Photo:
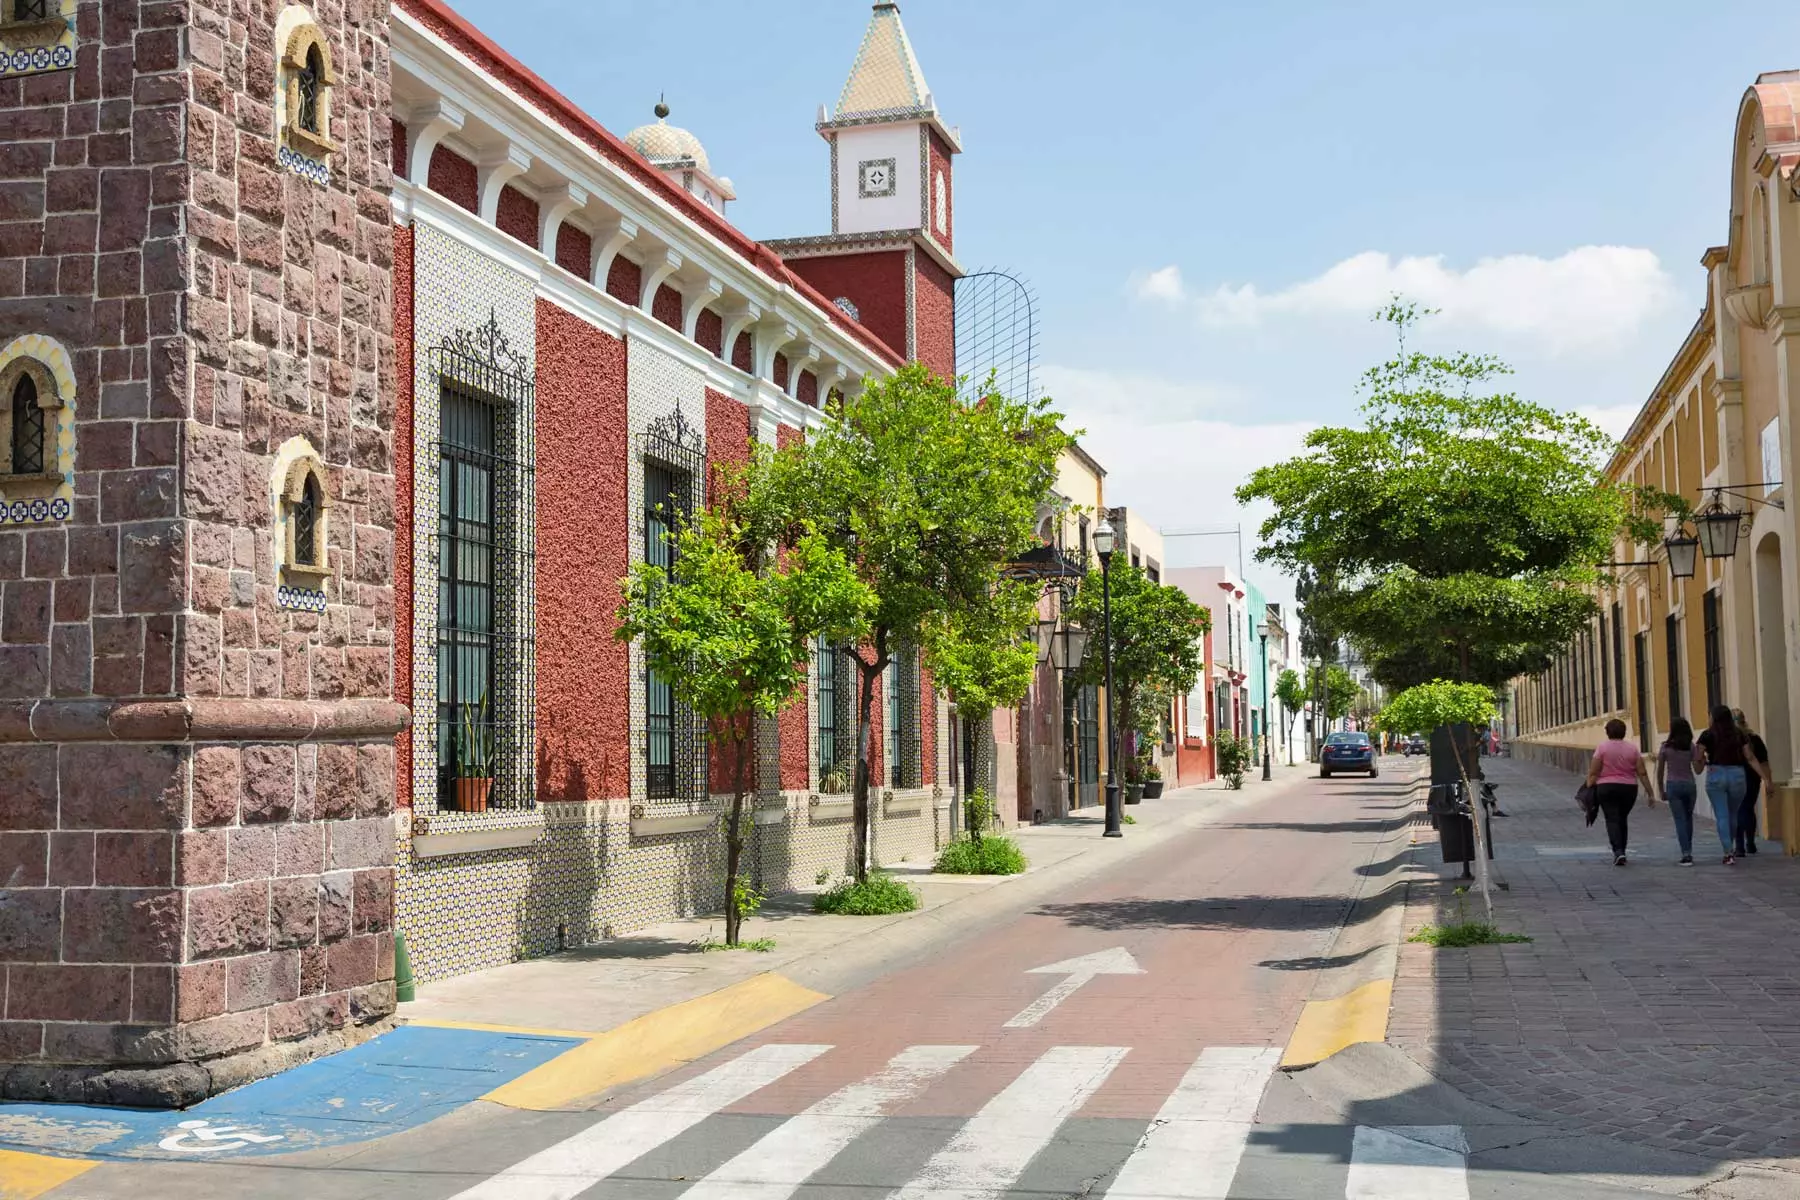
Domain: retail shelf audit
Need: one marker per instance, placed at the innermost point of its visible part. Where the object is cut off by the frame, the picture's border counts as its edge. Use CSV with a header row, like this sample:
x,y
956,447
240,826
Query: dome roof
x,y
665,144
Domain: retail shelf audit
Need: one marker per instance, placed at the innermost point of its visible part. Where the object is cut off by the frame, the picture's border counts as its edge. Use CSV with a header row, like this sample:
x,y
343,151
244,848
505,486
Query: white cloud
x,y
1591,298
1164,283
1615,419
1146,399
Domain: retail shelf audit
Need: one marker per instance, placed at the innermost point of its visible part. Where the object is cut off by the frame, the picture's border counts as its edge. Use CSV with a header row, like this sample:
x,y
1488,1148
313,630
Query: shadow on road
x,y
1224,912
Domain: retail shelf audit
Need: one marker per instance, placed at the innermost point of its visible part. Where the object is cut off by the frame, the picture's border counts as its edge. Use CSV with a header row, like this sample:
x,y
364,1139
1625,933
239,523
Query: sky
x,y
1210,199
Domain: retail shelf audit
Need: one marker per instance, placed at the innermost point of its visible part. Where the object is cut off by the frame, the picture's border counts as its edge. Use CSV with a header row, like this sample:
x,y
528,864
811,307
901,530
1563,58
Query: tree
x,y
926,496
1441,704
1156,639
1453,532
1290,690
729,627
1337,687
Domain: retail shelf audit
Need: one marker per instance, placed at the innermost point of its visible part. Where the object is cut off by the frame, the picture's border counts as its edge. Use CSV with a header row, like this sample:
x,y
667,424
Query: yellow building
x,y
1718,427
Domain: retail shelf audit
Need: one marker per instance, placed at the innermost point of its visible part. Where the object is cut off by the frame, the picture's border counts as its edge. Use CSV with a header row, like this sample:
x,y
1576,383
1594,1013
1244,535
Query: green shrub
x,y
708,945
1233,757
994,854
875,896
1465,933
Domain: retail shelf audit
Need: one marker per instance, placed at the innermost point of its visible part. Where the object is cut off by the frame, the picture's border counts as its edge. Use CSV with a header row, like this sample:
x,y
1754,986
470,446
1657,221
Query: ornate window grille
x,y
308,79
306,524
27,428
901,703
31,10
673,737
485,550
828,658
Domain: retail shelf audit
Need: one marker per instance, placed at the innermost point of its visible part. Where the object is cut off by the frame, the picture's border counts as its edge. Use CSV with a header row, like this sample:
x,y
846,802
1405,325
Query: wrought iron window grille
x,y
30,10
306,524
485,550
308,80
672,737
28,428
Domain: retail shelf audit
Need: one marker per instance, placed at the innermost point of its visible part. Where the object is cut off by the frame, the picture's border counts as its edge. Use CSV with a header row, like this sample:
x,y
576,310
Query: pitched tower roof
x,y
886,79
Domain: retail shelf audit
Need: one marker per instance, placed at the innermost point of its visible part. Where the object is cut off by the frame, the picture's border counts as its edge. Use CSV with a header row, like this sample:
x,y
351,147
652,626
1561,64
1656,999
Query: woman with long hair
x,y
1675,780
1615,773
1756,776
1721,752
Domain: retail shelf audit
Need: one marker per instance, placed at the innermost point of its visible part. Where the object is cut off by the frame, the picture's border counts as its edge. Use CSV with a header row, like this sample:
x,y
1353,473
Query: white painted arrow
x,y
1117,961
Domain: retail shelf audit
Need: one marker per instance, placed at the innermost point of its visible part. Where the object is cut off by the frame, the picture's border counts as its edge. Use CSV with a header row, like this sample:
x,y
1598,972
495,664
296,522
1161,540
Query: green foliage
x,y
992,855
874,896
1463,934
1290,690
978,813
982,653
1423,708
757,945
1450,535
1231,755
473,752
836,781
926,497
1157,634
1339,690
729,627
1128,819
747,896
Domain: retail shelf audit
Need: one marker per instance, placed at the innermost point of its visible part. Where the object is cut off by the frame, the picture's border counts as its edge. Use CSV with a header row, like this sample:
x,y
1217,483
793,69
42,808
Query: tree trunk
x,y
868,676
734,844
1125,732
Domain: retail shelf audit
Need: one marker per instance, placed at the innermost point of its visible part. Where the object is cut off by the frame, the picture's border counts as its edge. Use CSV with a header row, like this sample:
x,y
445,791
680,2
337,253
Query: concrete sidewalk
x,y
602,987
1656,1004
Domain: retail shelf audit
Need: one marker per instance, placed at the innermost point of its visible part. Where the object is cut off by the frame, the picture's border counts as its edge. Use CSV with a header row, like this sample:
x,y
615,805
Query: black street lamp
x,y
1103,546
1262,631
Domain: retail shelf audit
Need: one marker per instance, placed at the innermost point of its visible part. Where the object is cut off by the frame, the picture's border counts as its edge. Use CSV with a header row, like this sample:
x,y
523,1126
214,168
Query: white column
x,y
426,127
558,203
498,168
614,238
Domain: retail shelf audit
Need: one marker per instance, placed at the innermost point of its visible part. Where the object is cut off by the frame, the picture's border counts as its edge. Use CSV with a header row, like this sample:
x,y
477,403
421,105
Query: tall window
x,y
1618,653
466,625
665,505
307,82
836,689
1715,667
1672,653
890,720
1640,654
27,428
1600,648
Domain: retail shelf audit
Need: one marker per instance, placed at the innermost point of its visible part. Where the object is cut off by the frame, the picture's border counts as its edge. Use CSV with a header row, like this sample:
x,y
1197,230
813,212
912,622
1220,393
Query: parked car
x,y
1348,752
1414,745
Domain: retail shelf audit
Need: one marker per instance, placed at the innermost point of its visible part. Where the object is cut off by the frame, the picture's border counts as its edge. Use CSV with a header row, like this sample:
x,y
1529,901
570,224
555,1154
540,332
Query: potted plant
x,y
1134,781
836,781
474,759
1153,781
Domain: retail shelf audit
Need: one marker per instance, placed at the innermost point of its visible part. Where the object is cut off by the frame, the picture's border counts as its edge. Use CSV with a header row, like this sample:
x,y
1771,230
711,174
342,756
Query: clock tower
x,y
889,259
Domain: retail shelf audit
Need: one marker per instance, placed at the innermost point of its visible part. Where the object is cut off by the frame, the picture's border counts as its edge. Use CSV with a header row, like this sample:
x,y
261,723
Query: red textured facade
x,y
403,504
583,531
667,306
709,332
517,215
625,281
934,324
453,177
397,150
574,250
728,437
941,164
875,282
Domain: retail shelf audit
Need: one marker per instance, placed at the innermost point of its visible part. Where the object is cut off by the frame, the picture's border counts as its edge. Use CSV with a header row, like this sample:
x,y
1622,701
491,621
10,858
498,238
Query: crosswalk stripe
x,y
995,1146
778,1165
1191,1151
575,1164
1408,1162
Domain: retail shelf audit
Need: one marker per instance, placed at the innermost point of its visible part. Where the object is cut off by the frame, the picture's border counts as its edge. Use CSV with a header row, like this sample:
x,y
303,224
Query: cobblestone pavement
x,y
1657,1004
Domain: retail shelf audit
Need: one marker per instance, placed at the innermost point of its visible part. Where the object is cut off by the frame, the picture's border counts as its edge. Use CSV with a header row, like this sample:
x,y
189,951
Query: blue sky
x,y
1209,198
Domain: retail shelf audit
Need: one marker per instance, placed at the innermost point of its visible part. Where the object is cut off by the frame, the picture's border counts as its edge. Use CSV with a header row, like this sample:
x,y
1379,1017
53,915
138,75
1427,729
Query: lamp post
x,y
1103,546
1262,631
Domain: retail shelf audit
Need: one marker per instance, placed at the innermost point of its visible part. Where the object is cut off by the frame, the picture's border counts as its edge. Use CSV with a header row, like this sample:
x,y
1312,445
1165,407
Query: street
x,y
1120,1039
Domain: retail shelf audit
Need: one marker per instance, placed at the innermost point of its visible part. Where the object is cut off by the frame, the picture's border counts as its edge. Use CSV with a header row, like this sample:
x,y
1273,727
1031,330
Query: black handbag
x,y
1589,801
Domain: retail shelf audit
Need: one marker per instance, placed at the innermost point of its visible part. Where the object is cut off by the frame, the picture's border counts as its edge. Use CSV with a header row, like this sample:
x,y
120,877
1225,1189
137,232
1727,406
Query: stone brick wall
x,y
194,781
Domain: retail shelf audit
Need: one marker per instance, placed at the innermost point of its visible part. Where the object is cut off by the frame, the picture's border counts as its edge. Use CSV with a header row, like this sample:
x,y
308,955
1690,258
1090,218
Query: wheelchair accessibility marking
x,y
213,1139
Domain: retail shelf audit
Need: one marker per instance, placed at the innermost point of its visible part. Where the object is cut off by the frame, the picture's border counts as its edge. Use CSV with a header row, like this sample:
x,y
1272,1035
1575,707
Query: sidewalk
x,y
1656,1004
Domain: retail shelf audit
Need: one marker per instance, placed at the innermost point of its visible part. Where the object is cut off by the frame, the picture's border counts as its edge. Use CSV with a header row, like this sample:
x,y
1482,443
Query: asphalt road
x,y
1119,1041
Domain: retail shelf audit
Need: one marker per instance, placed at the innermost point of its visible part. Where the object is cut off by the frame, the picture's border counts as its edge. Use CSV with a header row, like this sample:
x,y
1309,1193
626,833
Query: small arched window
x,y
309,79
28,427
306,523
305,517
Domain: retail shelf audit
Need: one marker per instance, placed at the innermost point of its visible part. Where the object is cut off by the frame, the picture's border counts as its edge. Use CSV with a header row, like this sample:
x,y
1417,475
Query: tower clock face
x,y
875,178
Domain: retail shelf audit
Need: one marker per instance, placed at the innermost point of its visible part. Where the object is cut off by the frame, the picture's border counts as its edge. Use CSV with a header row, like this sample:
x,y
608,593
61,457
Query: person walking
x,y
1721,752
1615,774
1675,780
1756,775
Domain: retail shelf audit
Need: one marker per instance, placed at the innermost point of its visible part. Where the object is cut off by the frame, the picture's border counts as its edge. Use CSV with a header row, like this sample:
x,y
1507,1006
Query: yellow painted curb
x,y
658,1041
26,1176
520,1030
1327,1026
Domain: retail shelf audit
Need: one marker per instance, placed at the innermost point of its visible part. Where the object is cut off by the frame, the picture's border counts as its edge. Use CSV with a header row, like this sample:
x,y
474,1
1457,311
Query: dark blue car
x,y
1348,752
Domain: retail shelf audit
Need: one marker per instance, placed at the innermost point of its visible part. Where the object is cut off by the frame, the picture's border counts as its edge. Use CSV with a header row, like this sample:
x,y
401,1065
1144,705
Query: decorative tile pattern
x,y
299,599
30,49
301,165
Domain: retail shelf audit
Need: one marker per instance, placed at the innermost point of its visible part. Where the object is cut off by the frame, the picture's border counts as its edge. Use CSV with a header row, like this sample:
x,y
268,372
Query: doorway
x,y
1772,658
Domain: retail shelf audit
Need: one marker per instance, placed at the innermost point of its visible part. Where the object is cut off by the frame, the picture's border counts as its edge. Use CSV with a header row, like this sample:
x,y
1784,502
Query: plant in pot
x,y
1134,780
836,781
1153,781
474,759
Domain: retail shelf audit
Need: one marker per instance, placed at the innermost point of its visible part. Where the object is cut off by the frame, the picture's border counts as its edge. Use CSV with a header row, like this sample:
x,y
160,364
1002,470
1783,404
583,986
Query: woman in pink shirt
x,y
1615,775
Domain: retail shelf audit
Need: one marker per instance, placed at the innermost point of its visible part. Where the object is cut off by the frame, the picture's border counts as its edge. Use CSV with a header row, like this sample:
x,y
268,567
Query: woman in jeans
x,y
1675,780
1614,774
1722,753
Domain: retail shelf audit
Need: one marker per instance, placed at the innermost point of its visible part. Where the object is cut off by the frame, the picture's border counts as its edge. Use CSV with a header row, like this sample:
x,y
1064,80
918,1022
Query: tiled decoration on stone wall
x,y
56,503
32,47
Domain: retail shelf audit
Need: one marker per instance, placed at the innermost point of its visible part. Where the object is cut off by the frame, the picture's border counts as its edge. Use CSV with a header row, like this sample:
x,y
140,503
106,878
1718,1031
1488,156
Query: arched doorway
x,y
1771,656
